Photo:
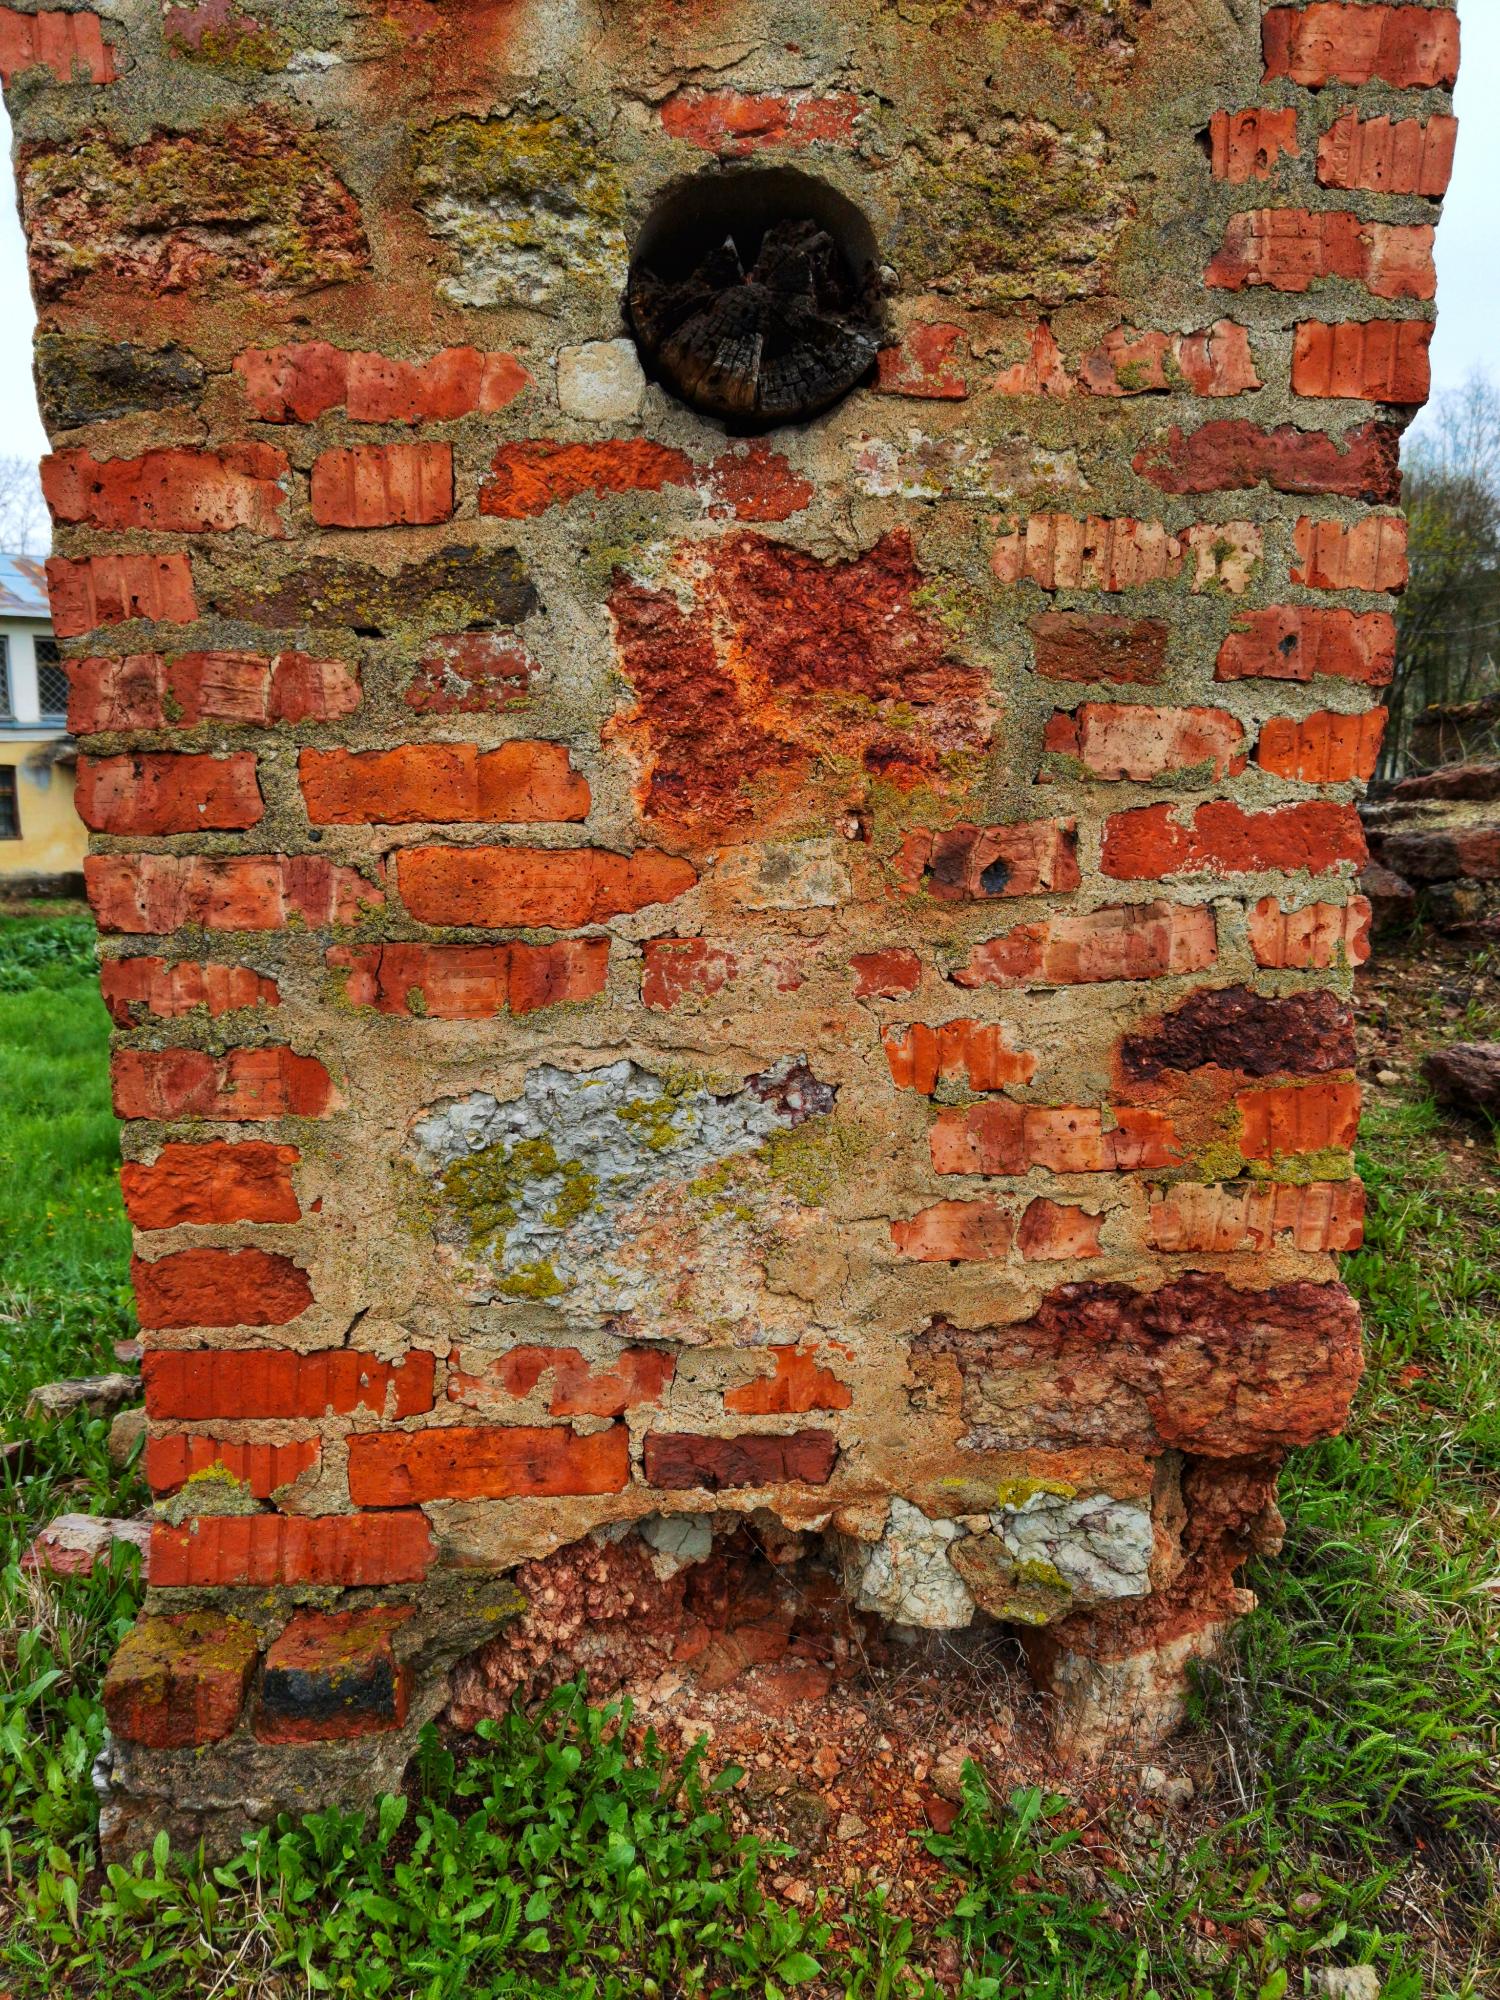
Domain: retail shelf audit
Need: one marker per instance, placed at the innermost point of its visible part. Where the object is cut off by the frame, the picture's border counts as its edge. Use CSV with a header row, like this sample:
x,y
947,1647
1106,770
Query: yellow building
x,y
42,839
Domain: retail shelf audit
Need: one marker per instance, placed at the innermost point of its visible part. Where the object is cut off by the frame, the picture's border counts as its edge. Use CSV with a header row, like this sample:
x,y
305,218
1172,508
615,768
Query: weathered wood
x,y
767,346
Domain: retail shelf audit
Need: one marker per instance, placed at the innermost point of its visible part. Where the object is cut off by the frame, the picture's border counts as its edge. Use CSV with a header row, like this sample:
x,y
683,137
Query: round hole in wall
x,y
754,295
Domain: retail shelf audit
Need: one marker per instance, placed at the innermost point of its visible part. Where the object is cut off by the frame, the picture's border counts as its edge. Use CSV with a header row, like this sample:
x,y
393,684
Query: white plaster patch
x,y
1100,1547
928,468
560,1194
906,1577
520,253
602,381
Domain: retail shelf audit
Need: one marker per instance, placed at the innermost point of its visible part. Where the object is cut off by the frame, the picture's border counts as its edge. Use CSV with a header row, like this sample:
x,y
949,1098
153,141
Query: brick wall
x,y
658,973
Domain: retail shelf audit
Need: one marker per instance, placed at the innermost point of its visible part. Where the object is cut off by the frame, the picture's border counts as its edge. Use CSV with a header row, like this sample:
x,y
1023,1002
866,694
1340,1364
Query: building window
x,y
51,681
7,709
10,806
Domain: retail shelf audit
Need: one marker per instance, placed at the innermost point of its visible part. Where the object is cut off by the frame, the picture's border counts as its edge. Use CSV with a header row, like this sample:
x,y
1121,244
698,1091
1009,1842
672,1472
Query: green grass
x,y
1358,1732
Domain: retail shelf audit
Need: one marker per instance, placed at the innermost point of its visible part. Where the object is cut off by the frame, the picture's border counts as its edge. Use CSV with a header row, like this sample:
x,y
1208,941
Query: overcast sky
x,y
1468,250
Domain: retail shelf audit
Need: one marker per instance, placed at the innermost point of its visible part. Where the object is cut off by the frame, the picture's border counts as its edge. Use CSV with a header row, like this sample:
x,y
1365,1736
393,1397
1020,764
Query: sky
x,y
1468,251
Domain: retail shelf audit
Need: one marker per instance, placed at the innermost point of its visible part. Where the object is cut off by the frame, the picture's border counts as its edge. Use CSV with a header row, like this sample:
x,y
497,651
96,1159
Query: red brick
x,y
442,784
469,1462
172,491
149,792
1114,740
750,482
1130,941
242,1084
1376,361
264,1468
552,888
1293,1118
150,691
383,485
1291,249
674,968
955,1232
133,987
192,1385
219,1288
1055,1231
732,122
529,478
146,894
333,1676
1360,41
173,1461
1296,643
471,673
1098,646
1370,555
1002,1138
1317,937
303,381
1233,455
924,364
1326,748
1224,839
1217,362
63,43
1389,156
211,1183
885,975
1062,552
348,1550
1246,145
921,1057
111,590
685,1463
1250,1215
1042,373
472,982
178,1682
576,1388
963,863
798,1382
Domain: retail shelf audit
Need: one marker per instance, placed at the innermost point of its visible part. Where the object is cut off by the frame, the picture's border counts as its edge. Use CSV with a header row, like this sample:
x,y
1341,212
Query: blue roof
x,y
23,587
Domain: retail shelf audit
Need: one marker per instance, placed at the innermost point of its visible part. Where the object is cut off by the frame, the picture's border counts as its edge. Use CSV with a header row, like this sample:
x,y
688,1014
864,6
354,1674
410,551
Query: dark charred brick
x,y
91,381
333,1675
677,1461
1308,1034
459,586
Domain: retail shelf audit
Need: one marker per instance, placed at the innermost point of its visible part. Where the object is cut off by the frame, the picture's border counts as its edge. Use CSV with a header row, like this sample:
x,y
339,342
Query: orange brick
x,y
1297,1118
136,986
1291,249
1389,155
219,1288
211,1183
1318,936
442,783
1370,555
1322,749
921,1056
347,1550
383,485
798,1382
465,1462
955,1232
1246,145
1296,643
557,888
1228,1219
253,1382
1377,361
1114,740
172,1460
